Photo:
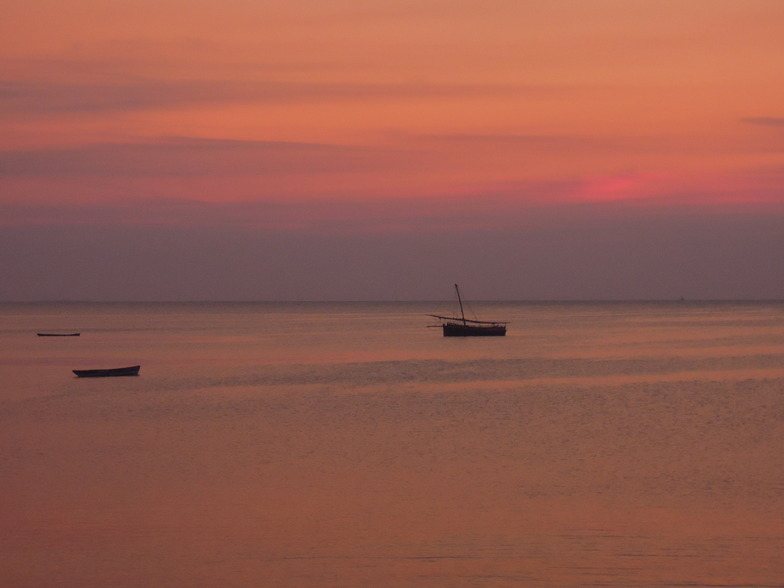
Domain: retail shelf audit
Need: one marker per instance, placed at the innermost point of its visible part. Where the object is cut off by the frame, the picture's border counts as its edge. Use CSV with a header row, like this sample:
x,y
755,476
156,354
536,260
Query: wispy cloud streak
x,y
523,207
765,121
53,97
188,157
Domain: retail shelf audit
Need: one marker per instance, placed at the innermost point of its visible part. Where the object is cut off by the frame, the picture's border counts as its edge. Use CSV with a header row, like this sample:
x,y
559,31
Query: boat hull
x,y
460,330
58,334
108,373
454,326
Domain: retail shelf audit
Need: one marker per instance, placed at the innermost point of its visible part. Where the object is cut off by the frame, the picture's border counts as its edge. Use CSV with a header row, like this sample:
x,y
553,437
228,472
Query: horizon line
x,y
399,301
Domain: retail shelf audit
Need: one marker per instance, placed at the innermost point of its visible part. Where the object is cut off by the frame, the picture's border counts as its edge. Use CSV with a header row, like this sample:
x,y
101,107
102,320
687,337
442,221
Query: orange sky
x,y
510,103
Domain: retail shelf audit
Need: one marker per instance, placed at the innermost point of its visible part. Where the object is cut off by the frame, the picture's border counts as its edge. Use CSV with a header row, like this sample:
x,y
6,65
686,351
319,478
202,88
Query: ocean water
x,y
348,445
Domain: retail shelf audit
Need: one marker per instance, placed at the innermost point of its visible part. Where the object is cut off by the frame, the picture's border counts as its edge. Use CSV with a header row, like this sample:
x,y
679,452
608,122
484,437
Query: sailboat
x,y
454,326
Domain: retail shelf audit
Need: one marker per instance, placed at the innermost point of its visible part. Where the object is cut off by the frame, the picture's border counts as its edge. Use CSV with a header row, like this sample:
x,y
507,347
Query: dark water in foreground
x,y
347,445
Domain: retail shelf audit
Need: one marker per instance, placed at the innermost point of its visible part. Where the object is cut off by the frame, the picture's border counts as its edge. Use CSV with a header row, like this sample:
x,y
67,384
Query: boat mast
x,y
460,300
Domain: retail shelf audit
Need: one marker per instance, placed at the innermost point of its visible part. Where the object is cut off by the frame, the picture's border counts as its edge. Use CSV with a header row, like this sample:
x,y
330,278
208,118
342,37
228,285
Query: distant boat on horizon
x,y
454,326
58,334
108,373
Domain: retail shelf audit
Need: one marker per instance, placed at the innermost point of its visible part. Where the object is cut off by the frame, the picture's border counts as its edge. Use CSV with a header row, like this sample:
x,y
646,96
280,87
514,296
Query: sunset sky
x,y
368,150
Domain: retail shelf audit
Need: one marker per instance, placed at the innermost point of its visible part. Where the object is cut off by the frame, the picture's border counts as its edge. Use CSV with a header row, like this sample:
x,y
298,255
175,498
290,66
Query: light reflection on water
x,y
348,445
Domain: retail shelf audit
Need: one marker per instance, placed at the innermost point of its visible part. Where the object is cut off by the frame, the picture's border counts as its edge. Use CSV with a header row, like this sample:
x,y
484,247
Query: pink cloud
x,y
616,187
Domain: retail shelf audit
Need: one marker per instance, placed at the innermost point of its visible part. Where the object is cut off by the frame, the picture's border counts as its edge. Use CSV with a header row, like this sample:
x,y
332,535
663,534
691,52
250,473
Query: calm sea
x,y
348,445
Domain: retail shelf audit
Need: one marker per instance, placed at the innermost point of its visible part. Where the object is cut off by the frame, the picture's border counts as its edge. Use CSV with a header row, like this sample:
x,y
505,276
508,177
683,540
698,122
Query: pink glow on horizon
x,y
616,188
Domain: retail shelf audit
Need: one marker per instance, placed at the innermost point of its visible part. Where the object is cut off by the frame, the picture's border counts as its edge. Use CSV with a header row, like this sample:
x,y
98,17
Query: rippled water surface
x,y
618,444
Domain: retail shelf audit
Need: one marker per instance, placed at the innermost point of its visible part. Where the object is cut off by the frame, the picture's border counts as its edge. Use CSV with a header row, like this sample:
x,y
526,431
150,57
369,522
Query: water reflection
x,y
412,462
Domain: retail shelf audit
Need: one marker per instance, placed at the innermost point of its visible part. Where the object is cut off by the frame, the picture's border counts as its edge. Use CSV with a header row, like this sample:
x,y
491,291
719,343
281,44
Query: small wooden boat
x,y
460,326
108,373
58,334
